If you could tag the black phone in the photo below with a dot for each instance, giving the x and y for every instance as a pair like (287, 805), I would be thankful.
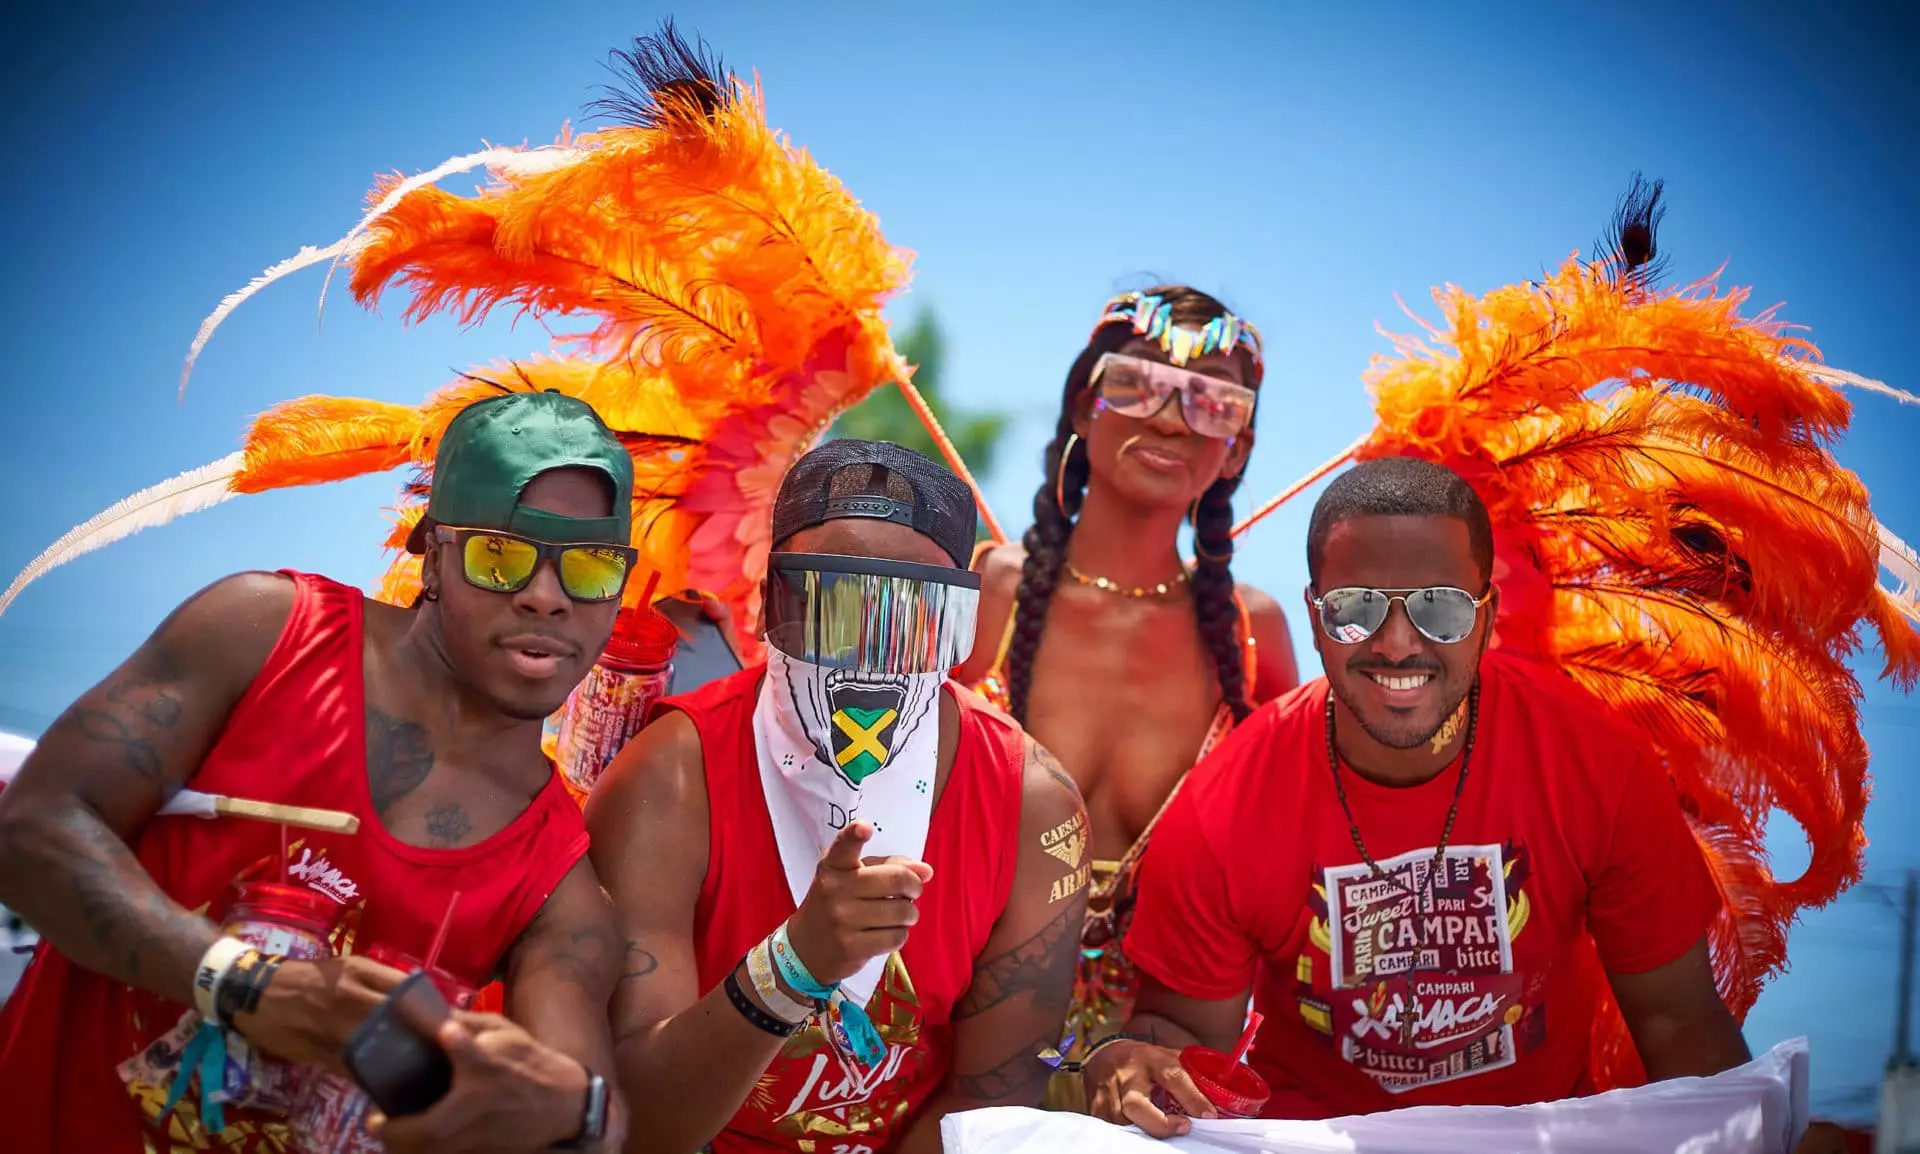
(392, 1054)
(703, 654)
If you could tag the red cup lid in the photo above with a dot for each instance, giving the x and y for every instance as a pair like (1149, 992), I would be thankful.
(1233, 1087)
(450, 986)
(643, 637)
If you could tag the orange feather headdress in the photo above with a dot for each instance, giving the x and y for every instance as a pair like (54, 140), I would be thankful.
(1672, 531)
(734, 287)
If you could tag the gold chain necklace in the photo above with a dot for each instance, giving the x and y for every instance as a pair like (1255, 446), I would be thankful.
(1108, 586)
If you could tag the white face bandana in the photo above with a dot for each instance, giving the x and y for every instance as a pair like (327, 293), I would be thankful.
(807, 720)
(847, 725)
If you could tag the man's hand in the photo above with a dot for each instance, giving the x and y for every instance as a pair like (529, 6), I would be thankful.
(510, 1095)
(858, 909)
(309, 1008)
(1122, 1077)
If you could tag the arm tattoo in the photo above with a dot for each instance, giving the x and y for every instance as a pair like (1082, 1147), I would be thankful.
(448, 824)
(124, 927)
(1020, 1077)
(583, 955)
(142, 708)
(398, 759)
(639, 962)
(1043, 963)
(586, 953)
(1038, 754)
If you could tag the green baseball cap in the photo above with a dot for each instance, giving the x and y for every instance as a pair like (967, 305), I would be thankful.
(493, 448)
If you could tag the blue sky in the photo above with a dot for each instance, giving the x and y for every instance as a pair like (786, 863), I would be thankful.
(1305, 162)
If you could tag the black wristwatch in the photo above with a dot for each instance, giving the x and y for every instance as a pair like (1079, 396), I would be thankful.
(593, 1120)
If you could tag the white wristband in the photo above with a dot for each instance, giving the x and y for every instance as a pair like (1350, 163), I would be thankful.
(760, 969)
(214, 965)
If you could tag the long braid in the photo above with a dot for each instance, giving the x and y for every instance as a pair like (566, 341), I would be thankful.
(1213, 602)
(1046, 545)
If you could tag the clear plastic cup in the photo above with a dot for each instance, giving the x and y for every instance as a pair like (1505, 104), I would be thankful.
(288, 920)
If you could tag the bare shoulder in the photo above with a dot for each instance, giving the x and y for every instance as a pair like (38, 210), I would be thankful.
(233, 624)
(1275, 671)
(1261, 605)
(1048, 795)
(649, 808)
(999, 569)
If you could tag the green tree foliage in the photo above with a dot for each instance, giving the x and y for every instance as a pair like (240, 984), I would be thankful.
(886, 416)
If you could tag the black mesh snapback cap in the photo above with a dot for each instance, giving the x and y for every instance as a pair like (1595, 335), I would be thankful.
(882, 480)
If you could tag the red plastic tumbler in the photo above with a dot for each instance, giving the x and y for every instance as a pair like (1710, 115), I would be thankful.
(1233, 1088)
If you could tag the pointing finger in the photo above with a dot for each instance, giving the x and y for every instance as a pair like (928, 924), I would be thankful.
(844, 853)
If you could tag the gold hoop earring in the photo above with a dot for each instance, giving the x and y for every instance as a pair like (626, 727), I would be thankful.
(1060, 476)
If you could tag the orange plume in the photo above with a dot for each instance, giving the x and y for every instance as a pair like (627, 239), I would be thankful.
(735, 289)
(1672, 530)
(317, 439)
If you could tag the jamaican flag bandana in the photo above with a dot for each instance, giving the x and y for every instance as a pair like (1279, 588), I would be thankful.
(847, 724)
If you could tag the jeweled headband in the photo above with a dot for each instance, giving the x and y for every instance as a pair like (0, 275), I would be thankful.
(1151, 316)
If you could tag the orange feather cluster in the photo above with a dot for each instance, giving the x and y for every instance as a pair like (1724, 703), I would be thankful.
(1672, 530)
(737, 288)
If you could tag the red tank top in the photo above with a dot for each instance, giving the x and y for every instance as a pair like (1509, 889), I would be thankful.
(805, 1101)
(296, 737)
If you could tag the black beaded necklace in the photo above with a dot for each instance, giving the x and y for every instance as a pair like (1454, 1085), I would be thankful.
(1453, 811)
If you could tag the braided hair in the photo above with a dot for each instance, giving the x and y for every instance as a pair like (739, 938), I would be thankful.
(1046, 540)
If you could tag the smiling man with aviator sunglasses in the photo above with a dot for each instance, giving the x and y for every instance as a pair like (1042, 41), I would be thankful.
(1415, 864)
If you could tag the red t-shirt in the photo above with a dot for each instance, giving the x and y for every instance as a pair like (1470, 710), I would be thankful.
(1483, 989)
(297, 737)
(805, 1101)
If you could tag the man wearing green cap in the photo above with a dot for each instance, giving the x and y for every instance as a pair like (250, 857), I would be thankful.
(170, 944)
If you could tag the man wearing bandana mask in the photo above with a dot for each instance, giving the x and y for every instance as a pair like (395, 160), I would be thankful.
(850, 889)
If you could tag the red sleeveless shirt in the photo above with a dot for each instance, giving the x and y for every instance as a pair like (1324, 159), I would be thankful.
(297, 737)
(805, 1101)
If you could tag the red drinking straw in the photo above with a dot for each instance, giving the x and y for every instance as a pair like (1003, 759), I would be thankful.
(440, 935)
(1246, 1039)
(283, 853)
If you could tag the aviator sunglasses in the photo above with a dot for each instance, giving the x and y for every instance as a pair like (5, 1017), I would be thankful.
(501, 562)
(1136, 387)
(1443, 614)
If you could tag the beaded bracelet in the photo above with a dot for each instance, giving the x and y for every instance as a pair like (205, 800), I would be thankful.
(756, 1017)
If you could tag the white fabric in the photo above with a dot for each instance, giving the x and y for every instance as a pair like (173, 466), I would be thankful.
(13, 750)
(811, 802)
(1758, 1108)
(185, 802)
